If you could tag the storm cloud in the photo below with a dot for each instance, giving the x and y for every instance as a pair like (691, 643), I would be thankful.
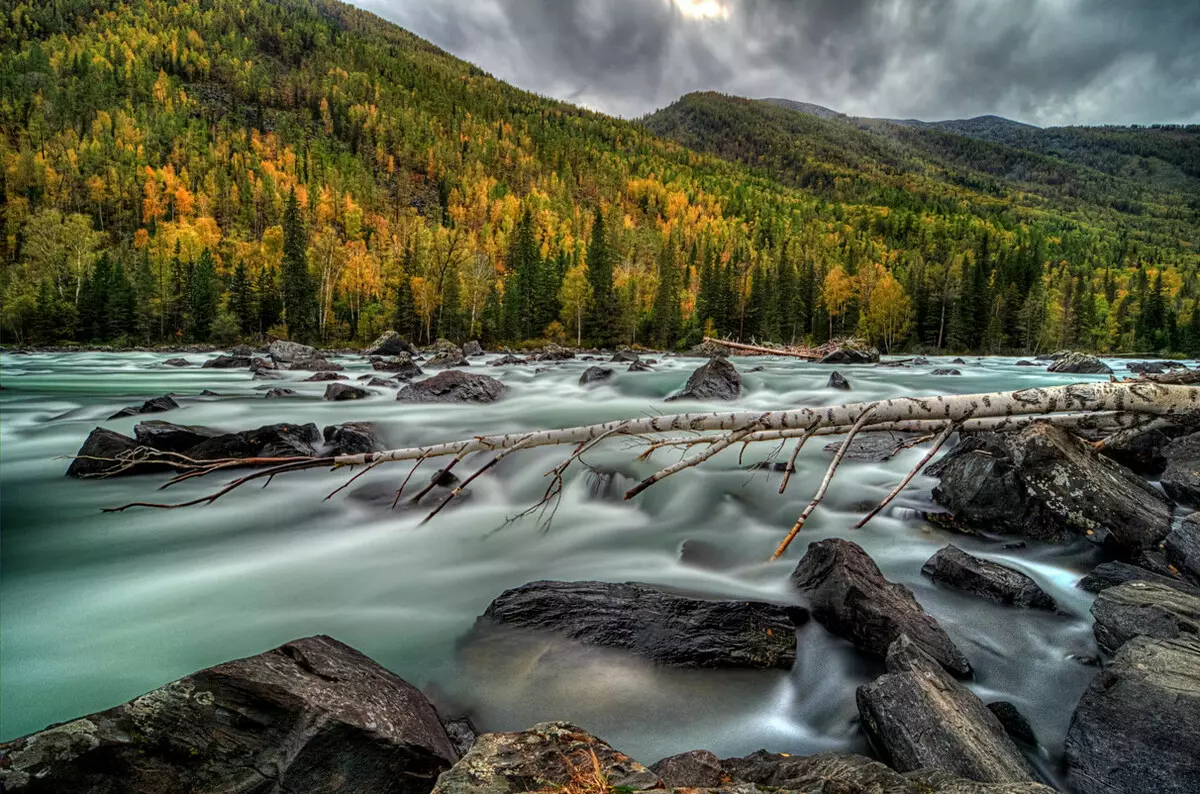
(1046, 62)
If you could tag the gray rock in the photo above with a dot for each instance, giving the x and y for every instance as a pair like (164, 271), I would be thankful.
(389, 343)
(1141, 450)
(1181, 477)
(871, 448)
(1111, 574)
(709, 350)
(1079, 363)
(593, 375)
(322, 377)
(953, 567)
(170, 437)
(639, 366)
(1146, 609)
(624, 356)
(281, 440)
(103, 443)
(344, 391)
(463, 734)
(1014, 722)
(266, 374)
(401, 364)
(716, 380)
(241, 350)
(154, 405)
(837, 381)
(553, 352)
(945, 372)
(472, 348)
(693, 769)
(275, 393)
(851, 355)
(958, 361)
(453, 386)
(918, 717)
(849, 597)
(1024, 363)
(227, 362)
(177, 362)
(287, 352)
(313, 365)
(506, 360)
(1045, 483)
(668, 629)
(313, 715)
(381, 383)
(352, 438)
(1182, 548)
(1135, 727)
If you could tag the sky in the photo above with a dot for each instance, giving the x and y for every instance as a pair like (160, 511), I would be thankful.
(1045, 62)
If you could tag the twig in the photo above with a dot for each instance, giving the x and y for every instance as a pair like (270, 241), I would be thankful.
(791, 467)
(937, 444)
(411, 472)
(692, 460)
(458, 489)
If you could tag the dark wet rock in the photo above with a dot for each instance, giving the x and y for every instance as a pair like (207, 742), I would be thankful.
(287, 352)
(389, 343)
(593, 375)
(945, 372)
(155, 405)
(917, 716)
(694, 769)
(920, 361)
(1141, 450)
(241, 350)
(103, 443)
(472, 349)
(266, 374)
(709, 350)
(1024, 363)
(1080, 363)
(402, 365)
(1045, 483)
(321, 377)
(872, 448)
(313, 715)
(755, 369)
(386, 384)
(1156, 561)
(462, 733)
(709, 556)
(851, 355)
(1135, 727)
(170, 437)
(668, 629)
(344, 391)
(1014, 722)
(508, 359)
(1111, 574)
(227, 362)
(953, 567)
(269, 441)
(1017, 544)
(850, 598)
(554, 352)
(177, 362)
(624, 356)
(453, 358)
(838, 381)
(313, 365)
(1055, 356)
(1143, 609)
(957, 361)
(352, 438)
(1177, 377)
(1181, 476)
(257, 363)
(1153, 367)
(1182, 548)
(639, 366)
(208, 393)
(453, 386)
(549, 756)
(716, 380)
(274, 393)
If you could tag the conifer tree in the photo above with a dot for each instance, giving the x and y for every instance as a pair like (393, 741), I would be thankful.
(605, 311)
(203, 297)
(299, 294)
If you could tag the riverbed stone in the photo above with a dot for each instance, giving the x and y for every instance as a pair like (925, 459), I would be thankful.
(279, 392)
(177, 362)
(448, 357)
(1182, 548)
(946, 371)
(1181, 476)
(838, 381)
(344, 391)
(594, 375)
(873, 447)
(472, 349)
(506, 360)
(955, 568)
(1111, 574)
(553, 352)
(227, 362)
(269, 441)
(715, 380)
(103, 443)
(851, 355)
(313, 715)
(453, 386)
(1014, 722)
(401, 364)
(1045, 483)
(287, 352)
(918, 716)
(154, 405)
(693, 769)
(321, 377)
(1135, 727)
(313, 365)
(668, 629)
(1079, 363)
(170, 437)
(1143, 609)
(352, 438)
(850, 597)
(389, 343)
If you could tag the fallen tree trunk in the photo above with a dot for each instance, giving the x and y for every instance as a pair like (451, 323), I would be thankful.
(769, 351)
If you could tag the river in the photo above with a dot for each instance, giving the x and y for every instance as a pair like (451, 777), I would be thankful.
(97, 608)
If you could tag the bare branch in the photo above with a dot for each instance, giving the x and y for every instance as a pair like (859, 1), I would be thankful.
(937, 444)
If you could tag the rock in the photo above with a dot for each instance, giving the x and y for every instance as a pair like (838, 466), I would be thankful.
(453, 386)
(241, 350)
(1141, 450)
(1080, 363)
(313, 365)
(169, 437)
(593, 375)
(945, 372)
(1148, 609)
(386, 384)
(1014, 722)
(1135, 727)
(1044, 483)
(1182, 548)
(446, 360)
(389, 343)
(554, 352)
(958, 361)
(208, 393)
(227, 362)
(550, 756)
(273, 393)
(694, 769)
(709, 350)
(716, 380)
(269, 441)
(624, 356)
(754, 369)
(266, 374)
(401, 364)
(313, 715)
(918, 716)
(1181, 476)
(352, 438)
(668, 629)
(506, 360)
(1024, 363)
(1052, 356)
(639, 366)
(837, 381)
(177, 362)
(472, 348)
(287, 352)
(102, 443)
(154, 405)
(920, 361)
(872, 448)
(344, 391)
(1111, 574)
(321, 377)
(1153, 367)
(849, 597)
(257, 363)
(851, 355)
(953, 567)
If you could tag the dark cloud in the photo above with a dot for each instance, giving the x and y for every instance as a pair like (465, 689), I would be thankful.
(1041, 61)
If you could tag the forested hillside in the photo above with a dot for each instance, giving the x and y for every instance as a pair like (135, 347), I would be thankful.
(208, 171)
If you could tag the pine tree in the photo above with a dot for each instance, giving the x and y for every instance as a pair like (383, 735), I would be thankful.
(450, 311)
(119, 305)
(404, 319)
(299, 294)
(522, 317)
(241, 299)
(605, 312)
(144, 290)
(666, 319)
(269, 298)
(203, 297)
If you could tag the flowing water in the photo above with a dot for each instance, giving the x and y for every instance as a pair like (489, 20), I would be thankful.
(97, 608)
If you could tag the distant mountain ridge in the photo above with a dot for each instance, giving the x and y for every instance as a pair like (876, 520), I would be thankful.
(984, 127)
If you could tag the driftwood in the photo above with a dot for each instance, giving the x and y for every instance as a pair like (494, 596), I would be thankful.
(1101, 408)
(794, 352)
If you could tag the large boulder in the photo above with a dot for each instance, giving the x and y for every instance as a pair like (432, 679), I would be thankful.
(1135, 727)
(508, 359)
(553, 352)
(953, 567)
(1182, 548)
(345, 391)
(447, 357)
(106, 444)
(177, 362)
(452, 386)
(1143, 609)
(389, 343)
(1079, 363)
(716, 380)
(472, 349)
(851, 355)
(838, 381)
(693, 769)
(709, 349)
(352, 438)
(313, 715)
(401, 364)
(624, 356)
(283, 351)
(154, 405)
(1141, 450)
(917, 716)
(269, 441)
(1111, 574)
(1045, 483)
(849, 597)
(227, 362)
(170, 437)
(313, 365)
(1181, 476)
(668, 629)
(593, 375)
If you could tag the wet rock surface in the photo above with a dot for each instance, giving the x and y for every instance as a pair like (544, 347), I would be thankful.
(851, 355)
(227, 362)
(873, 447)
(838, 381)
(321, 377)
(1111, 574)
(107, 444)
(1181, 476)
(594, 375)
(1014, 722)
(1144, 609)
(352, 438)
(170, 437)
(953, 567)
(279, 392)
(1079, 363)
(1182, 548)
(389, 343)
(402, 365)
(154, 405)
(716, 380)
(453, 386)
(345, 391)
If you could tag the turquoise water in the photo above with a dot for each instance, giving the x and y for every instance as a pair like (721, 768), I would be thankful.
(97, 608)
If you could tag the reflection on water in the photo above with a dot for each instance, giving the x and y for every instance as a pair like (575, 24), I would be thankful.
(98, 608)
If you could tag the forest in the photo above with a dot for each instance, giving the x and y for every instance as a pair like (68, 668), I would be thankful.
(208, 172)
